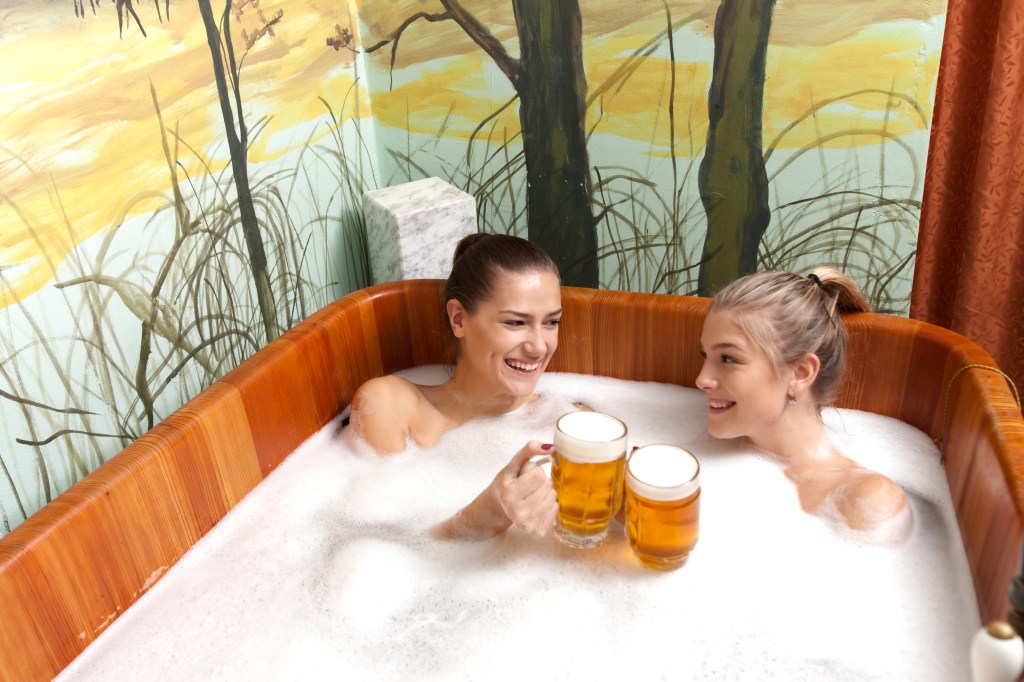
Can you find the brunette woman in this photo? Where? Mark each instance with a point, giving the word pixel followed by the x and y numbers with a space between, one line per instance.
pixel 503 305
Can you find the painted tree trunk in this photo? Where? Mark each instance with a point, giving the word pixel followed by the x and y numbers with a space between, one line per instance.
pixel 238 146
pixel 732 179
pixel 552 110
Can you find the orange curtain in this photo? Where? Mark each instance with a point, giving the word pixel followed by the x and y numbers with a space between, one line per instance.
pixel 969 275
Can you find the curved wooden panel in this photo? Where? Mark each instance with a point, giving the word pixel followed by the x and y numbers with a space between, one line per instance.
pixel 72 568
pixel 642 337
pixel 78 563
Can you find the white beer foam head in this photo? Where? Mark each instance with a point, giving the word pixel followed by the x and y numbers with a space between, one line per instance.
pixel 663 473
pixel 590 437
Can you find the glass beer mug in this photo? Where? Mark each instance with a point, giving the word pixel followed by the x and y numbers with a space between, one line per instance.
pixel 586 472
pixel 662 505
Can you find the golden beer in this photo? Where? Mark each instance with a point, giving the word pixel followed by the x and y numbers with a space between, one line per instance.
pixel 586 472
pixel 662 505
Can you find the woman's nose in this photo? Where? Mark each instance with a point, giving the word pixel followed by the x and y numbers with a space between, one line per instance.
pixel 535 342
pixel 704 379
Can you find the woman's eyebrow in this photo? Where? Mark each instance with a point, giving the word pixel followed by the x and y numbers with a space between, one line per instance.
pixel 521 314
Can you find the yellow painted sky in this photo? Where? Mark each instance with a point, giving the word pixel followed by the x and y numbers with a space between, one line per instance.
pixel 78 131
pixel 79 138
pixel 877 58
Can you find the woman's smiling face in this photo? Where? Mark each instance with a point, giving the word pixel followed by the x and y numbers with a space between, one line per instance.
pixel 746 396
pixel 510 338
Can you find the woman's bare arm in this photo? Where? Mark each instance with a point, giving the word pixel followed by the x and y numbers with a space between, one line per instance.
pixel 520 494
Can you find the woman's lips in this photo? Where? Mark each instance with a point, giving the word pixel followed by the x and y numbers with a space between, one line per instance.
pixel 719 406
pixel 520 366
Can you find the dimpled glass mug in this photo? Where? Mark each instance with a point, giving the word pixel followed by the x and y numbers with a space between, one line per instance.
pixel 662 505
pixel 586 471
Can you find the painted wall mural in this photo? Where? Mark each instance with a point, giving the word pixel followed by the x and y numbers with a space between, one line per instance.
pixel 180 182
pixel 721 136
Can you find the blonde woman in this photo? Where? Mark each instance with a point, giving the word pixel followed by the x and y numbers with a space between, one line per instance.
pixel 774 349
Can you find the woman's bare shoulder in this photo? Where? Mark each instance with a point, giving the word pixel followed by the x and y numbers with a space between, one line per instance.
pixel 382 409
pixel 389 386
pixel 868 499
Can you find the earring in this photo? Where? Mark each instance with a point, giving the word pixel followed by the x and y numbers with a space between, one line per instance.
pixel 791 399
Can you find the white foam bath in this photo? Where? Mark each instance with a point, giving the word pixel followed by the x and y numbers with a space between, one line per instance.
pixel 326 571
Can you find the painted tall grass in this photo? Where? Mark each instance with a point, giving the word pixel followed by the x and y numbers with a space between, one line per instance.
pixel 142 318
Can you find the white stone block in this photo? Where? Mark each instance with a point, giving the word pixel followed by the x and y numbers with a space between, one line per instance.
pixel 412 228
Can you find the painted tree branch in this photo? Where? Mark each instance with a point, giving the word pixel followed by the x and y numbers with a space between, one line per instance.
pixel 239 160
pixel 396 35
pixel 125 11
pixel 485 39
pixel 265 27
pixel 342 38
pixel 67 432
pixel 125 7
pixel 167 9
pixel 32 403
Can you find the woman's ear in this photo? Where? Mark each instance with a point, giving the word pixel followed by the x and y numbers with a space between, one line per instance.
pixel 456 318
pixel 804 372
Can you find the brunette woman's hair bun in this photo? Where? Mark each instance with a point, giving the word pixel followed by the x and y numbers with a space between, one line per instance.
pixel 479 257
pixel 468 242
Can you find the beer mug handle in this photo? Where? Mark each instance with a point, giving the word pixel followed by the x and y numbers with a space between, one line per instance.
pixel 539 460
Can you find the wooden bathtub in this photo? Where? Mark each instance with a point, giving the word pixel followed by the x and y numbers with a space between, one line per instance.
pixel 73 567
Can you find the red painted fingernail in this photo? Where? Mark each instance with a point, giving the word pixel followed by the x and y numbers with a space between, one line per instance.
pixel 547 446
